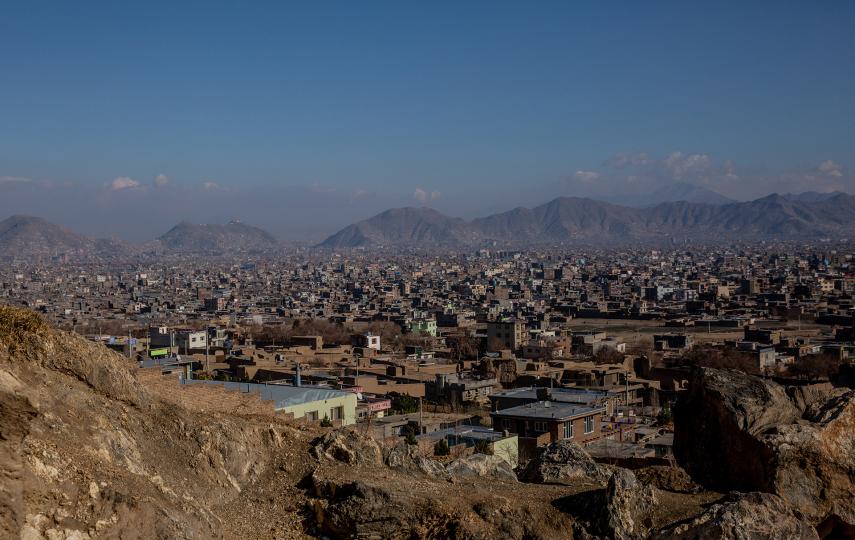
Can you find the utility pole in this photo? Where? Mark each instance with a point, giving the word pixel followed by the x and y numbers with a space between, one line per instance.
pixel 207 334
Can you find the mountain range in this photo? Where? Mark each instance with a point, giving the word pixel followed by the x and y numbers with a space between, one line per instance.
pixel 572 220
pixel 30 236
pixel 565 220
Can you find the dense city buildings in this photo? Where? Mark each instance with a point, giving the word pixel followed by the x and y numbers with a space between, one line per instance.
pixel 453 331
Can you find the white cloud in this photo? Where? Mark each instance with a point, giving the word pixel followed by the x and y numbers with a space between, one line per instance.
pixel 123 182
pixel 679 166
pixel 211 186
pixel 161 180
pixel 423 196
pixel 14 180
pixel 586 176
pixel 830 168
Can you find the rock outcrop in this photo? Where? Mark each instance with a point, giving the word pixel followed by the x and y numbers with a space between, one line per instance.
pixel 407 457
pixel 482 465
pixel 348 446
pixel 623 510
pixel 369 503
pixel 738 432
pixel 564 461
pixel 629 505
pixel 668 478
pixel 741 516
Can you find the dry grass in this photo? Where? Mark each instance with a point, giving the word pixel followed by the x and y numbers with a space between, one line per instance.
pixel 19 327
pixel 205 398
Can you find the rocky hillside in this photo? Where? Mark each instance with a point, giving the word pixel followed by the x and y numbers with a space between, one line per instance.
pixel 569 220
pixel 91 447
pixel 87 450
pixel 743 433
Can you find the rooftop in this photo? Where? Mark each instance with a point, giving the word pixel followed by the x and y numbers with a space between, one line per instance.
pixel 466 432
pixel 550 409
pixel 282 396
pixel 565 395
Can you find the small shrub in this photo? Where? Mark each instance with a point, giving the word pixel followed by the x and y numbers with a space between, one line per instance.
pixel 441 448
pixel 484 447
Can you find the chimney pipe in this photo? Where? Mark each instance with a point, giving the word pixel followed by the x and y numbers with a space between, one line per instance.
pixel 297 381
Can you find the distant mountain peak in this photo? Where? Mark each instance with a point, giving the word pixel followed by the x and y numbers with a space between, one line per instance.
pixel 234 236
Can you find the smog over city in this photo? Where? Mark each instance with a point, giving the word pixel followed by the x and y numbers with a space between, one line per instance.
pixel 440 270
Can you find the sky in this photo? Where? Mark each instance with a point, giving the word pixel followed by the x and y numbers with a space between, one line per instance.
pixel 121 119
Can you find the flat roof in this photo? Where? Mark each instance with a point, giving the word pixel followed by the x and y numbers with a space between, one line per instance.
pixel 549 409
pixel 282 396
pixel 567 395
pixel 466 432
pixel 615 449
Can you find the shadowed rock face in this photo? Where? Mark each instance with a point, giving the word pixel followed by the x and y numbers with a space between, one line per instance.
pixel 739 432
pixel 751 515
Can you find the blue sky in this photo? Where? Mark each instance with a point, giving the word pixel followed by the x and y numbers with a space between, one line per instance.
pixel 303 117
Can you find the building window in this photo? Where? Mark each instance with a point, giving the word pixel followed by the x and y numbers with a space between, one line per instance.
pixel 589 424
pixel 540 427
pixel 507 424
pixel 568 430
pixel 337 413
pixel 312 416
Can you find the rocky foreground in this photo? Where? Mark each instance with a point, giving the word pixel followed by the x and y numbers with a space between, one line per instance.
pixel 88 451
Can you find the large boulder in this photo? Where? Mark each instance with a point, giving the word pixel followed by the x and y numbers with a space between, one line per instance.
pixel 739 432
pixel 407 456
pixel 623 510
pixel 482 465
pixel 564 461
pixel 629 506
pixel 668 478
pixel 348 446
pixel 742 516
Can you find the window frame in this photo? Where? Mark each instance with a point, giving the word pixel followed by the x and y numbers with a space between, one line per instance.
pixel 571 430
pixel 593 427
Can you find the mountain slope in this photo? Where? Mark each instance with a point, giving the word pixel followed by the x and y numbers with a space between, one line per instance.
pixel 399 226
pixel 572 219
pixel 201 239
pixel 27 236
